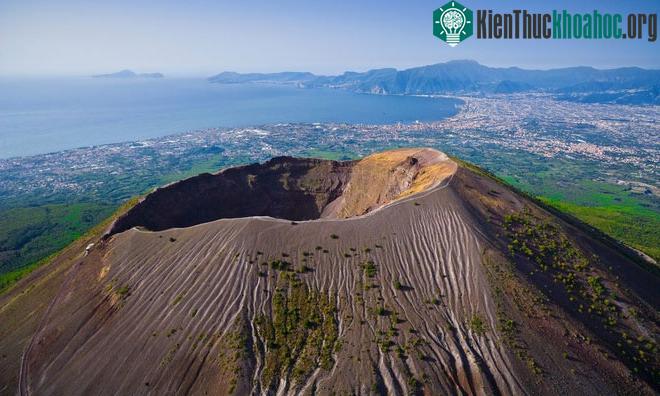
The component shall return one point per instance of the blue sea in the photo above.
(47, 115)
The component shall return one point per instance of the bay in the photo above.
(47, 115)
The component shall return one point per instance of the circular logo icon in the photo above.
(452, 23)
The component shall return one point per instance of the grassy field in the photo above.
(29, 237)
(71, 214)
(11, 277)
(630, 217)
(327, 154)
(637, 226)
(211, 165)
(31, 233)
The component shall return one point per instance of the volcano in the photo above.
(405, 272)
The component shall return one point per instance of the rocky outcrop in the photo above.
(289, 188)
(295, 189)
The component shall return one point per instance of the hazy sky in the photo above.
(202, 37)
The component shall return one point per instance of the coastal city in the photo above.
(621, 141)
(322, 198)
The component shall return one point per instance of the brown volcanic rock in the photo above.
(284, 187)
(290, 188)
(419, 296)
(382, 178)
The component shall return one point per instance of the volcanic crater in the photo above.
(293, 189)
(406, 272)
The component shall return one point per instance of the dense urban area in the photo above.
(625, 137)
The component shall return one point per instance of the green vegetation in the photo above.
(585, 286)
(27, 235)
(545, 244)
(123, 291)
(573, 186)
(9, 278)
(233, 349)
(477, 325)
(381, 311)
(300, 334)
(507, 287)
(414, 385)
(369, 269)
(119, 294)
(177, 299)
(209, 165)
(627, 221)
(280, 265)
(167, 359)
(329, 154)
(36, 226)
(581, 188)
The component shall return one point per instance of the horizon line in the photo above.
(206, 74)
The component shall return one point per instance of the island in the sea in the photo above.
(129, 74)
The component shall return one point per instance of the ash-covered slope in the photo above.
(422, 275)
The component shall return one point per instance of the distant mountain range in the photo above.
(129, 74)
(629, 85)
